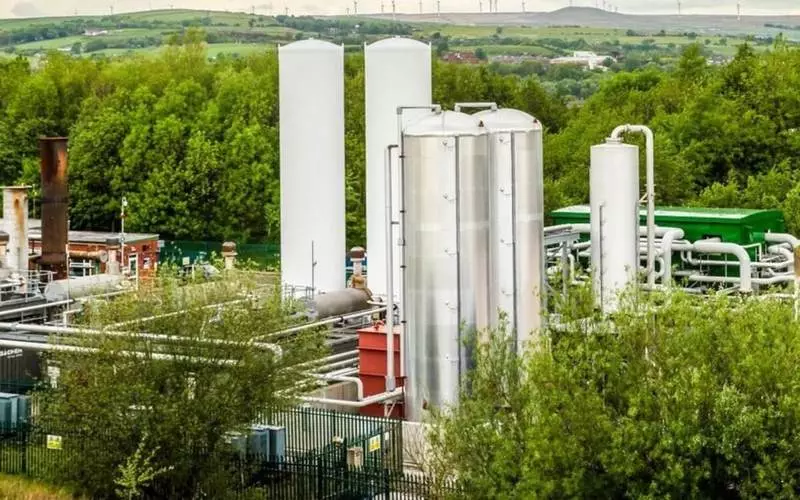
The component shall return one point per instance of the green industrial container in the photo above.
(731, 225)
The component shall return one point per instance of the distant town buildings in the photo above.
(583, 58)
(461, 57)
(95, 32)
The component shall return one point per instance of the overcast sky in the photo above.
(30, 8)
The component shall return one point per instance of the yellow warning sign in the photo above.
(53, 442)
(374, 443)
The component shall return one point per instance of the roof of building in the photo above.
(98, 237)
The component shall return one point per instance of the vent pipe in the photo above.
(15, 220)
(55, 205)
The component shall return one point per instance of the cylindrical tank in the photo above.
(397, 72)
(614, 184)
(339, 303)
(516, 187)
(55, 205)
(313, 244)
(15, 220)
(445, 185)
(84, 286)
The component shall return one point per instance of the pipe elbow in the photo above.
(782, 238)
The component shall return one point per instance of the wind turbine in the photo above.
(523, 6)
(383, 7)
(394, 10)
(355, 7)
(739, 11)
(480, 5)
(679, 7)
(438, 8)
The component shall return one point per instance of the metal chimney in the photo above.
(15, 220)
(55, 205)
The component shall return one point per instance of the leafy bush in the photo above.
(674, 397)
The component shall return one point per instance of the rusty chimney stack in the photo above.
(55, 205)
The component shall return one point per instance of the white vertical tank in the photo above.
(614, 184)
(313, 240)
(516, 186)
(397, 73)
(446, 290)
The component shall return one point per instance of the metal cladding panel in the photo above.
(313, 240)
(517, 219)
(447, 255)
(397, 73)
(55, 205)
(15, 217)
(614, 183)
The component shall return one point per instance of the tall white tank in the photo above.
(446, 196)
(614, 184)
(516, 186)
(397, 73)
(313, 240)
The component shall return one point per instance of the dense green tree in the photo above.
(674, 397)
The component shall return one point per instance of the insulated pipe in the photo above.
(389, 326)
(378, 398)
(35, 307)
(775, 280)
(782, 238)
(40, 346)
(61, 330)
(651, 192)
(745, 268)
(324, 322)
(475, 105)
(667, 242)
(784, 252)
(341, 378)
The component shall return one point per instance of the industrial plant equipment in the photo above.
(446, 288)
(313, 245)
(614, 199)
(397, 73)
(517, 219)
(15, 220)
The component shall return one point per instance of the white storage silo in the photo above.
(614, 184)
(313, 240)
(516, 186)
(446, 196)
(397, 73)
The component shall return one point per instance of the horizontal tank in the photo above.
(313, 245)
(84, 286)
(614, 205)
(339, 303)
(516, 187)
(446, 228)
(397, 72)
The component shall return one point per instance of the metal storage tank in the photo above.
(397, 73)
(446, 196)
(313, 245)
(614, 184)
(516, 183)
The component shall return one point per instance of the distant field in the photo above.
(214, 50)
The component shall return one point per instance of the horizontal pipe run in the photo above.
(341, 378)
(332, 357)
(782, 238)
(325, 322)
(36, 307)
(378, 398)
(60, 330)
(40, 346)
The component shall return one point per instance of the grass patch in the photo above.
(22, 488)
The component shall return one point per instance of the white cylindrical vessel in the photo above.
(614, 184)
(15, 220)
(446, 291)
(397, 72)
(516, 187)
(313, 240)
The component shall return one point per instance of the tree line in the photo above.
(193, 144)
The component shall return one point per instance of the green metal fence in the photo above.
(180, 252)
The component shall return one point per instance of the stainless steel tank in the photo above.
(516, 185)
(446, 255)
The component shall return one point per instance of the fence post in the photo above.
(319, 477)
(386, 486)
(24, 449)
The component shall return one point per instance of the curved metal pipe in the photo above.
(782, 238)
(745, 268)
(651, 192)
(378, 398)
(671, 235)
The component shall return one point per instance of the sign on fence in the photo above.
(374, 443)
(53, 442)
